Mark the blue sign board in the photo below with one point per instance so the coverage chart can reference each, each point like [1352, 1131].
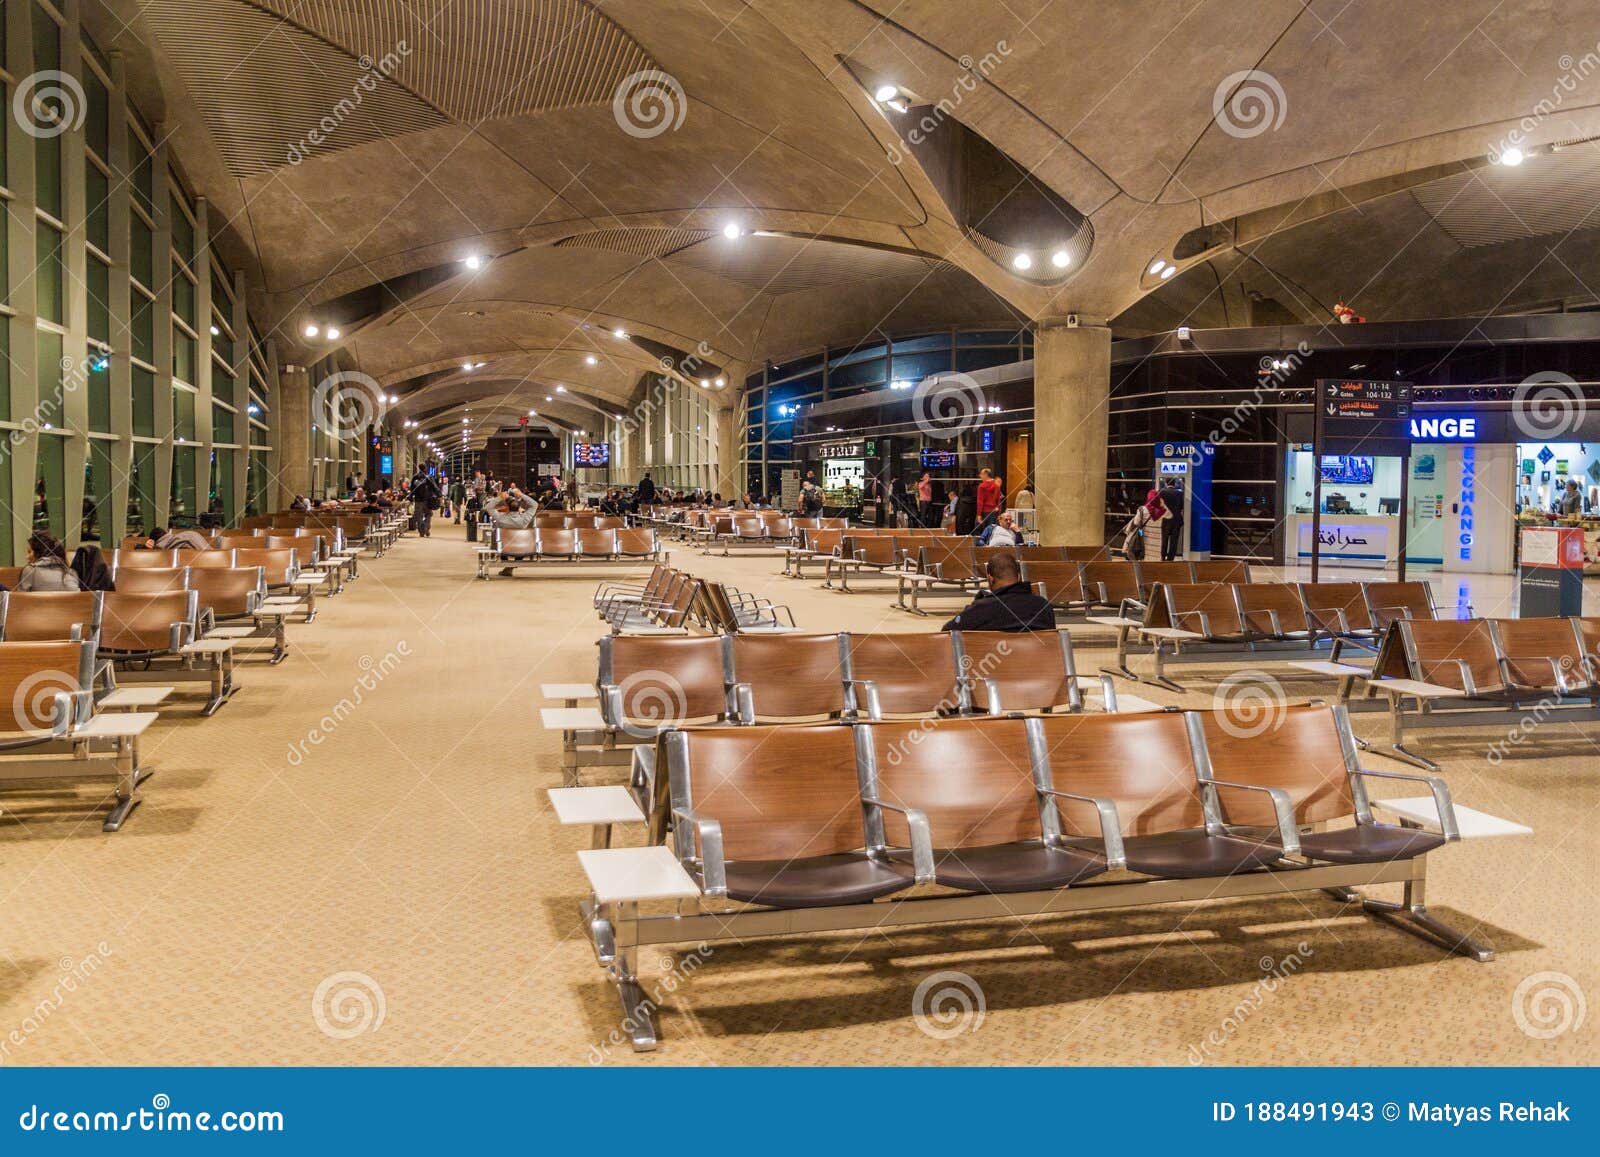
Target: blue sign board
[386, 464]
[1171, 458]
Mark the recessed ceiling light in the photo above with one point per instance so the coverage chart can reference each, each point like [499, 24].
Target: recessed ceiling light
[394, 399]
[1061, 259]
[473, 261]
[705, 383]
[732, 231]
[619, 333]
[548, 398]
[1022, 261]
[1157, 266]
[311, 330]
[215, 332]
[1168, 272]
[1512, 157]
[591, 360]
[721, 382]
[333, 333]
[885, 93]
[561, 389]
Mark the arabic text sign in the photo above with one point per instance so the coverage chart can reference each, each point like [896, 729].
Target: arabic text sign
[1349, 540]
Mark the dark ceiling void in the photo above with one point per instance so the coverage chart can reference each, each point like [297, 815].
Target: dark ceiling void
[673, 360]
[361, 307]
[1020, 223]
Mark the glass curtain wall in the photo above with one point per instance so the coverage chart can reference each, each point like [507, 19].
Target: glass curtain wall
[127, 361]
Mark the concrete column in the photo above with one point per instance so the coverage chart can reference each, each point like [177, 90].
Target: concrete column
[1071, 404]
[292, 432]
[728, 475]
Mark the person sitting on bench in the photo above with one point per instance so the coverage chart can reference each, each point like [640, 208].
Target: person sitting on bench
[1010, 604]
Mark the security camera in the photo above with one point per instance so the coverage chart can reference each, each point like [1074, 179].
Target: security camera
[1072, 321]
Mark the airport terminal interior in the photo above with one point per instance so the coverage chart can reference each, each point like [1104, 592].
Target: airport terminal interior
[799, 532]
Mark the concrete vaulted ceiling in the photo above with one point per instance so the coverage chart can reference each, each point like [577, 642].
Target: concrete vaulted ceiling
[1282, 154]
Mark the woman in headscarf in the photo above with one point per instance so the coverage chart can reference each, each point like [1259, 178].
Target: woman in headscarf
[1133, 530]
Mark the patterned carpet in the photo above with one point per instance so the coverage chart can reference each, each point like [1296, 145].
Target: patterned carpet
[354, 863]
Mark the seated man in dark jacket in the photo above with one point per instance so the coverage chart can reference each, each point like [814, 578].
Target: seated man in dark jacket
[1008, 605]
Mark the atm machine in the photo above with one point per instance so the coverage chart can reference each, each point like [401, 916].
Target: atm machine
[1186, 466]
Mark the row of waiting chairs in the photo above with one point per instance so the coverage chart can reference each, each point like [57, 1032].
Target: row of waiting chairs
[1234, 612]
[1009, 818]
[839, 675]
[670, 600]
[513, 547]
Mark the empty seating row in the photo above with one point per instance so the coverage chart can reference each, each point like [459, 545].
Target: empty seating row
[1078, 587]
[669, 600]
[1221, 622]
[513, 548]
[52, 731]
[1000, 818]
[1438, 673]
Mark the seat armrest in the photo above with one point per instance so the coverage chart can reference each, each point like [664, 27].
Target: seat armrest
[642, 776]
[867, 698]
[741, 698]
[1468, 685]
[921, 837]
[611, 704]
[1557, 672]
[1110, 823]
[705, 846]
[1441, 798]
[1282, 807]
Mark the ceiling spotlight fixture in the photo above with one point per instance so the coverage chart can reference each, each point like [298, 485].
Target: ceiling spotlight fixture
[533, 413]
[902, 384]
[561, 389]
[1022, 261]
[333, 333]
[1512, 156]
[885, 93]
[548, 398]
[311, 329]
[705, 383]
[215, 332]
[473, 261]
[619, 333]
[394, 399]
[591, 360]
[1061, 259]
[732, 231]
[721, 382]
[1157, 266]
[1168, 272]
